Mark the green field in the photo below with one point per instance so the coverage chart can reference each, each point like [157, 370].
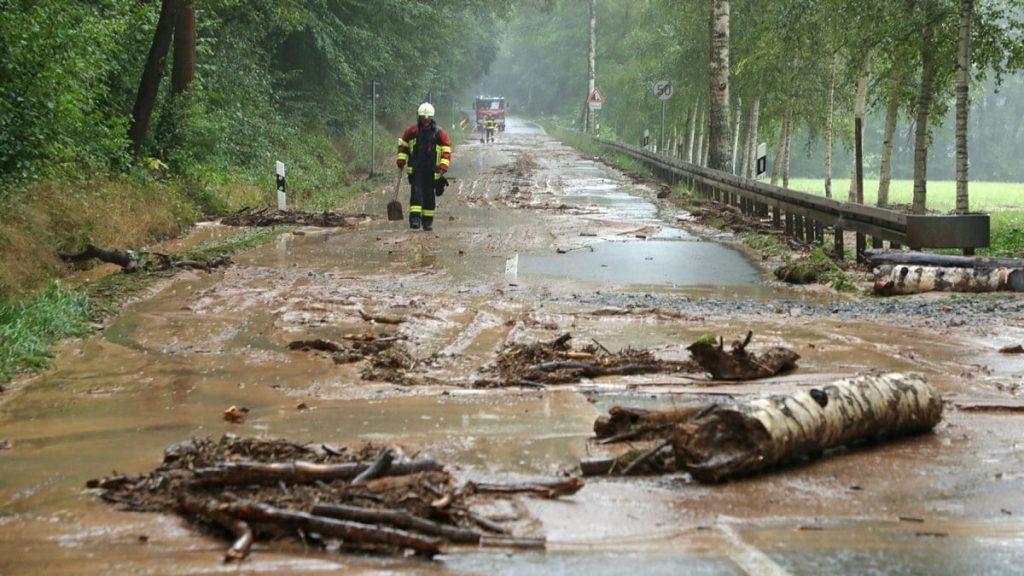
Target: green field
[1004, 201]
[984, 196]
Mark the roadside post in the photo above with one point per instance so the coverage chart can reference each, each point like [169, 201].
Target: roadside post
[282, 200]
[761, 168]
[663, 91]
[373, 90]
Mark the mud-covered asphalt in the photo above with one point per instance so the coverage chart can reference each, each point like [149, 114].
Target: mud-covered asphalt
[531, 241]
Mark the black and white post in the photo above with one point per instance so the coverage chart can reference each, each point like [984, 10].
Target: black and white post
[374, 93]
[282, 201]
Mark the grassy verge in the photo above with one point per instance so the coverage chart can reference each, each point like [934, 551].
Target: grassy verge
[29, 328]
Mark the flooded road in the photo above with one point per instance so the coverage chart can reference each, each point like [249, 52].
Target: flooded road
[531, 241]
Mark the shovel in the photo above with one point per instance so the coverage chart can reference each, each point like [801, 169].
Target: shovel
[395, 207]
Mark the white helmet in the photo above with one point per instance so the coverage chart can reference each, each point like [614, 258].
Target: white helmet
[426, 109]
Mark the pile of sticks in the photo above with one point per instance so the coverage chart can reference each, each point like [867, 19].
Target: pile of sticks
[270, 217]
[367, 499]
[537, 364]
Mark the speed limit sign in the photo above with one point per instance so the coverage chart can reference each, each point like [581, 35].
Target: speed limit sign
[663, 89]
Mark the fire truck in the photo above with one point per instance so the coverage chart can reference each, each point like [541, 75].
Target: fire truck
[490, 107]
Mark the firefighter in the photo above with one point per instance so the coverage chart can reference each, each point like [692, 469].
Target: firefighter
[424, 152]
[490, 125]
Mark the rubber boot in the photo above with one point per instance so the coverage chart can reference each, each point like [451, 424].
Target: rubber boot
[428, 223]
[414, 221]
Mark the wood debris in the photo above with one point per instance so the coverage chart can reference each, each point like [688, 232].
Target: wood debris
[540, 363]
[368, 499]
[270, 217]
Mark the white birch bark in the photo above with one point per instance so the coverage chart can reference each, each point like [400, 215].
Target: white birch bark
[744, 438]
[963, 103]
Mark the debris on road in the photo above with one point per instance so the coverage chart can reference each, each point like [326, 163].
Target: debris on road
[270, 217]
[540, 363]
[728, 439]
[366, 499]
[738, 364]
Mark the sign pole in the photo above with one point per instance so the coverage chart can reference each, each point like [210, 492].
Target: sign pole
[661, 139]
[373, 128]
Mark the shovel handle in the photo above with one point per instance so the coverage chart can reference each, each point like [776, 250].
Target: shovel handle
[398, 184]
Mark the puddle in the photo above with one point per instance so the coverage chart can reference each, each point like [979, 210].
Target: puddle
[704, 266]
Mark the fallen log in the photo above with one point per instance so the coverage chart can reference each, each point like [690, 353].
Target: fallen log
[299, 472]
[743, 438]
[877, 258]
[131, 261]
[350, 532]
[128, 260]
[738, 364]
[914, 279]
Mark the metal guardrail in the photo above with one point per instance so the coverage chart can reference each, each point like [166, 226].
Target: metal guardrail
[807, 215]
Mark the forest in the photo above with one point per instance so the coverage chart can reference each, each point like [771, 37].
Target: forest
[125, 122]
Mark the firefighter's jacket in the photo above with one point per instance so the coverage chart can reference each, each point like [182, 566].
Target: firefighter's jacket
[437, 139]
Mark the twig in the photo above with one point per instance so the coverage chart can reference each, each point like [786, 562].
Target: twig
[644, 457]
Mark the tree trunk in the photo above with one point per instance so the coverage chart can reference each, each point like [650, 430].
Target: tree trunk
[727, 441]
[752, 146]
[859, 104]
[693, 130]
[183, 69]
[718, 87]
[924, 105]
[149, 86]
[891, 115]
[876, 257]
[787, 129]
[915, 279]
[830, 101]
[736, 135]
[592, 64]
[700, 139]
[963, 102]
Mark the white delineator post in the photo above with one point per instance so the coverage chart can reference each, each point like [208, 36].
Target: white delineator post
[281, 198]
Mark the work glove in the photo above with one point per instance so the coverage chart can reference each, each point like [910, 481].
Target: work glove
[400, 163]
[440, 185]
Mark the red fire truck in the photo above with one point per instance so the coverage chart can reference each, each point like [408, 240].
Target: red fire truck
[490, 107]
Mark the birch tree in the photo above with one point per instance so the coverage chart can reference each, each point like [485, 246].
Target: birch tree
[718, 87]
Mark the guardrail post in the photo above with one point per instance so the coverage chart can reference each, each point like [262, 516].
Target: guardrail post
[789, 224]
[809, 229]
[876, 242]
[776, 217]
[837, 241]
[819, 232]
[862, 245]
[798, 227]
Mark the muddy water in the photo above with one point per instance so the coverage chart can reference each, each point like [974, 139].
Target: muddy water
[512, 250]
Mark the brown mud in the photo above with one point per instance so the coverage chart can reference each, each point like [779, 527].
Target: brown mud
[531, 241]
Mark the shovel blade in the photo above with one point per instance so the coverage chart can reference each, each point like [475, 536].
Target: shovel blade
[394, 210]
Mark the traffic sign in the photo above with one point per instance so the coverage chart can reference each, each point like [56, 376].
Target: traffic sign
[663, 89]
[761, 167]
[596, 99]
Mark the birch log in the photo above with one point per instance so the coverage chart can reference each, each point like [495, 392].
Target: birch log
[911, 279]
[740, 439]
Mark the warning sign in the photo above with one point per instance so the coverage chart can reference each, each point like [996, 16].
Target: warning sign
[596, 99]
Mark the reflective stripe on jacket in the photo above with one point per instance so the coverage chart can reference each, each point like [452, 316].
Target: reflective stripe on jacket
[442, 148]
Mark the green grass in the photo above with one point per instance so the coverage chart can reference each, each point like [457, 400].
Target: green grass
[984, 196]
[1004, 201]
[30, 327]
